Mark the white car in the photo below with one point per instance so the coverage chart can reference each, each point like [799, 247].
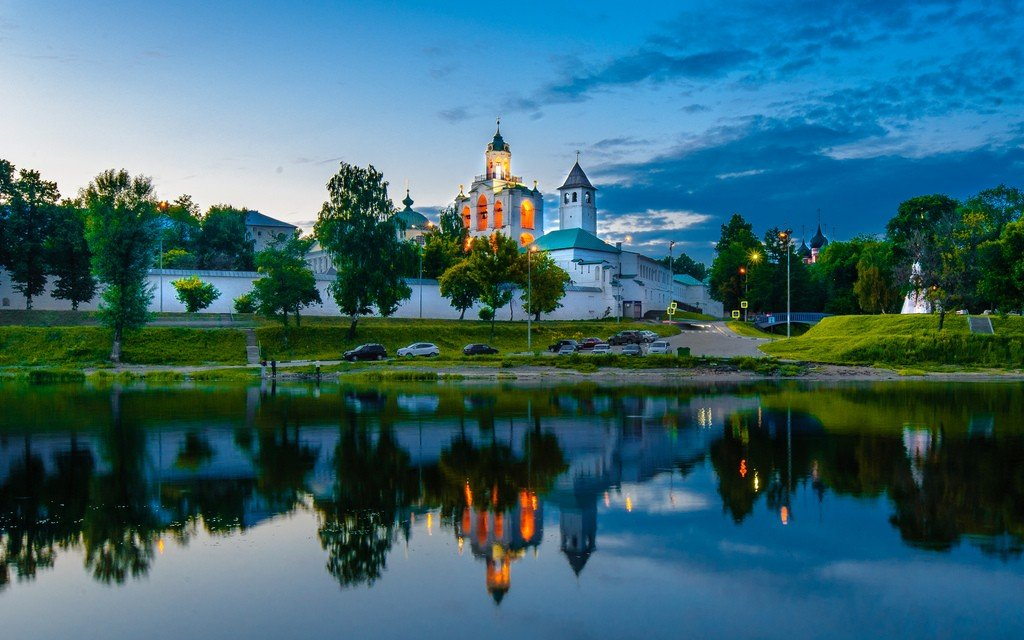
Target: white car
[659, 347]
[649, 336]
[632, 350]
[419, 349]
[566, 350]
[601, 348]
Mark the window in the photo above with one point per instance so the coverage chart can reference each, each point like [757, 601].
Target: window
[574, 196]
[497, 214]
[467, 218]
[586, 197]
[567, 198]
[526, 214]
[481, 213]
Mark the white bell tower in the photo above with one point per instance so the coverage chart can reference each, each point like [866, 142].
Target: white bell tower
[577, 201]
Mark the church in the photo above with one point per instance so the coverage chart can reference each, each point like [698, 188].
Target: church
[606, 280]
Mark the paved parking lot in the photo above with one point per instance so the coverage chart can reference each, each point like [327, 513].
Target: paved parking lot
[717, 340]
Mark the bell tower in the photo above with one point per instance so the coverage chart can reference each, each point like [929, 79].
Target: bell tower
[499, 157]
[577, 201]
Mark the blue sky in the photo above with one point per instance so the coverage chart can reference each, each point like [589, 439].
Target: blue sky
[683, 112]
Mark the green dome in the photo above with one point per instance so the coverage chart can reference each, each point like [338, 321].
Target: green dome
[408, 218]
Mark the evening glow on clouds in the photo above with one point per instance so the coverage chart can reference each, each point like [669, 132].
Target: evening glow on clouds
[687, 111]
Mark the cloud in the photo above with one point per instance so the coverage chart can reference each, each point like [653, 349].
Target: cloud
[653, 220]
[454, 115]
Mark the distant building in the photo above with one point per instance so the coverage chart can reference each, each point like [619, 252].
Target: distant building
[411, 225]
[264, 230]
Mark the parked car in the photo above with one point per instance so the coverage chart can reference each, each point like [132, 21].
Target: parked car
[478, 349]
[659, 347]
[625, 337]
[369, 351]
[588, 343]
[419, 349]
[561, 343]
[632, 350]
[648, 336]
[601, 348]
[567, 350]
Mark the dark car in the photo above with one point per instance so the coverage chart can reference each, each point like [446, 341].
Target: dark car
[589, 343]
[370, 351]
[563, 343]
[626, 337]
[478, 350]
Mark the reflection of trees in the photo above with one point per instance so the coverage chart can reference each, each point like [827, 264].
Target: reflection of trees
[119, 530]
[374, 482]
[283, 463]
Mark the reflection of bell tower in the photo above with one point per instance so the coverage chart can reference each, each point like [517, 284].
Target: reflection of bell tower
[499, 157]
[578, 526]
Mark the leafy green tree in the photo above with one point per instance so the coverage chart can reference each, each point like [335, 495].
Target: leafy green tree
[684, 264]
[245, 303]
[835, 274]
[121, 231]
[195, 294]
[69, 257]
[31, 205]
[179, 259]
[737, 246]
[498, 269]
[222, 240]
[916, 219]
[182, 229]
[445, 244]
[355, 230]
[875, 288]
[767, 280]
[1002, 283]
[547, 281]
[287, 285]
[999, 207]
[460, 287]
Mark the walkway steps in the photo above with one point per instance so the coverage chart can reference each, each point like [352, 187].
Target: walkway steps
[252, 347]
[980, 324]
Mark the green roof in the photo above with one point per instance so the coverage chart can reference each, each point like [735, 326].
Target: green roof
[572, 239]
[688, 280]
[410, 219]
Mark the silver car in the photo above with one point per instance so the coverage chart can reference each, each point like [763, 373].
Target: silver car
[632, 350]
[566, 350]
[660, 347]
[419, 349]
[601, 348]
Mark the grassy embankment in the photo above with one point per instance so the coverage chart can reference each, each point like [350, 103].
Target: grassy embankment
[906, 341]
[749, 330]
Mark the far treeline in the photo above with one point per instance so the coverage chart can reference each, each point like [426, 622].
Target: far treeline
[115, 230]
[970, 256]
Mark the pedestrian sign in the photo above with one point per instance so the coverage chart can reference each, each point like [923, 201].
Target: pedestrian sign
[735, 314]
[743, 304]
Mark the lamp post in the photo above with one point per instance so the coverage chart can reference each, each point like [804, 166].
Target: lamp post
[162, 207]
[787, 237]
[529, 296]
[743, 272]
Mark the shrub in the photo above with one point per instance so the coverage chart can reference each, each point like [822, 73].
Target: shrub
[245, 304]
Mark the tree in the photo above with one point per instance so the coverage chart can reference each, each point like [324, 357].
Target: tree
[735, 249]
[1002, 283]
[835, 273]
[497, 268]
[121, 231]
[69, 258]
[875, 287]
[354, 228]
[31, 203]
[460, 287]
[445, 244]
[222, 241]
[684, 264]
[195, 294]
[547, 281]
[913, 218]
[287, 285]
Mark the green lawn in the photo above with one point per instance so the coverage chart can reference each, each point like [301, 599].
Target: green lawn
[906, 340]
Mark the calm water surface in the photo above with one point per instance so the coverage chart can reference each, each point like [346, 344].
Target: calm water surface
[866, 510]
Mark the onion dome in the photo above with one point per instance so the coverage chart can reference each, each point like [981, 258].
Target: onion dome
[498, 144]
[408, 218]
[804, 251]
[819, 240]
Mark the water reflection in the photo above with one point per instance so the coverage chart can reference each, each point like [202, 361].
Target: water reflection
[117, 474]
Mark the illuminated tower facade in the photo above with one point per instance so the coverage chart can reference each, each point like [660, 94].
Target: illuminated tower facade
[577, 201]
[499, 202]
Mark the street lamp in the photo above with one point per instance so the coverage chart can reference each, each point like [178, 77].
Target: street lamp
[422, 249]
[787, 237]
[743, 272]
[529, 296]
[162, 207]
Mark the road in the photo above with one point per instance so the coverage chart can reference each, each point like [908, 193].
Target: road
[717, 340]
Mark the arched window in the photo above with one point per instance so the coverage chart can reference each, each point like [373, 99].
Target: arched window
[497, 214]
[586, 197]
[481, 213]
[467, 217]
[567, 198]
[526, 215]
[574, 196]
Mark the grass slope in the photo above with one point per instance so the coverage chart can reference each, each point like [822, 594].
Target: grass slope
[749, 330]
[80, 346]
[325, 338]
[906, 340]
